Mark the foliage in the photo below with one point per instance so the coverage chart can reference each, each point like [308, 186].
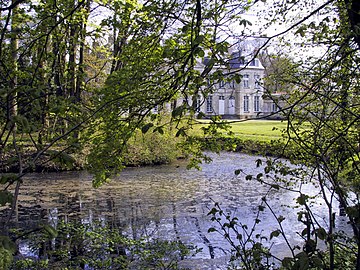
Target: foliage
[8, 250]
[69, 82]
[323, 118]
[320, 246]
[6, 258]
[160, 254]
[151, 148]
[248, 250]
[279, 72]
[99, 247]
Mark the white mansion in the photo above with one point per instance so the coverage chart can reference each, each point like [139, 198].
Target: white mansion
[237, 100]
[231, 100]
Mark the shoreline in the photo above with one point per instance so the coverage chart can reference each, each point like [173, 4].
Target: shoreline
[233, 144]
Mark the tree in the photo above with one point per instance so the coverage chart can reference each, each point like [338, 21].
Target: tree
[148, 52]
[323, 134]
[40, 85]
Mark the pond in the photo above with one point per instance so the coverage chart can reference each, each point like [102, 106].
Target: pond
[168, 202]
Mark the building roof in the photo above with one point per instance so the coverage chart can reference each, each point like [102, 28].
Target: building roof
[237, 60]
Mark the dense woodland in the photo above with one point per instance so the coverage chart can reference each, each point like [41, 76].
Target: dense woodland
[79, 81]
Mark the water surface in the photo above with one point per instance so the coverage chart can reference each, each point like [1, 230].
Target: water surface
[168, 202]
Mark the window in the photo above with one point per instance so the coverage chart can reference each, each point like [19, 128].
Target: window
[257, 81]
[222, 84]
[246, 80]
[256, 104]
[274, 107]
[221, 98]
[231, 108]
[209, 107]
[197, 104]
[255, 62]
[155, 109]
[246, 103]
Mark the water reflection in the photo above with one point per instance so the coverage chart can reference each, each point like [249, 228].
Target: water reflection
[168, 201]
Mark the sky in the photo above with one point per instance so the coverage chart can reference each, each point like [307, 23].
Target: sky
[260, 15]
[263, 12]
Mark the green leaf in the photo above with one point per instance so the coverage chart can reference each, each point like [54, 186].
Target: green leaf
[201, 115]
[280, 219]
[8, 178]
[5, 197]
[160, 130]
[303, 262]
[199, 39]
[8, 244]
[237, 78]
[287, 262]
[6, 258]
[321, 233]
[146, 127]
[51, 231]
[275, 233]
[213, 211]
[210, 230]
[200, 52]
[249, 177]
[301, 30]
[258, 162]
[302, 199]
[180, 132]
[237, 172]
[177, 111]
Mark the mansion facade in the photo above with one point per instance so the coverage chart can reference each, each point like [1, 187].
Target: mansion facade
[237, 100]
[231, 99]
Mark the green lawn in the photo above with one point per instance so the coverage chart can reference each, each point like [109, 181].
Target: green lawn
[262, 130]
[259, 130]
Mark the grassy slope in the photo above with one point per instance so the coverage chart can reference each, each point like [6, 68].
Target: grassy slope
[249, 136]
[255, 130]
[259, 130]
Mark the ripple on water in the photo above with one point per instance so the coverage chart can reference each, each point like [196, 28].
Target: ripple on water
[167, 201]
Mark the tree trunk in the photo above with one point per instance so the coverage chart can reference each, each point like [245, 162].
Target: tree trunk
[12, 99]
[81, 73]
[353, 11]
[71, 81]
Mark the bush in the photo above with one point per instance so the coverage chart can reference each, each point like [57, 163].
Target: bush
[96, 246]
[151, 148]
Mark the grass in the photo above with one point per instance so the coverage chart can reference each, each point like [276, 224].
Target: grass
[256, 130]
